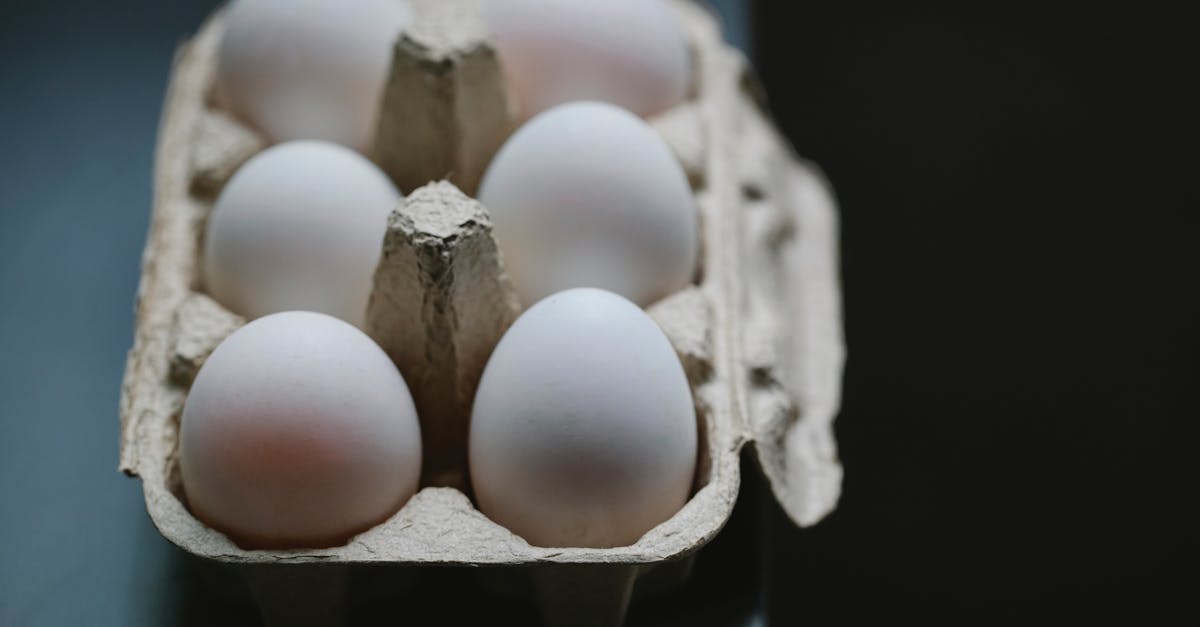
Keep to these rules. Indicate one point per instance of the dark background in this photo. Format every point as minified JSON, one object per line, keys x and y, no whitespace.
{"x":1019,"y":235}
{"x":1018,"y":227}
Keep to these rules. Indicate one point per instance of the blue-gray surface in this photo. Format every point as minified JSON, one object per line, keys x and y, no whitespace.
{"x":81,"y":85}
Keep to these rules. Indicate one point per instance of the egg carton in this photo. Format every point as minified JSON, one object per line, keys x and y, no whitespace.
{"x":759,"y":332}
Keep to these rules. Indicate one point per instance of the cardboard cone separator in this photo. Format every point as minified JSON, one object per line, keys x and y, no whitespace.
{"x":759,"y":333}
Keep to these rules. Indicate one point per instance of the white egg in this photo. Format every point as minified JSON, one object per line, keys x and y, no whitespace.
{"x":299,"y":226}
{"x":628,"y":52}
{"x":588,"y":195}
{"x":310,"y":69}
{"x":583,"y":431}
{"x":298,"y":432}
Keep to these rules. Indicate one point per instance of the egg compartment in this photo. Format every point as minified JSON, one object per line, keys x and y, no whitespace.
{"x":759,"y":335}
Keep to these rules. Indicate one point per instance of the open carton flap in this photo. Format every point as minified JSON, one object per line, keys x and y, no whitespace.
{"x":794,"y":349}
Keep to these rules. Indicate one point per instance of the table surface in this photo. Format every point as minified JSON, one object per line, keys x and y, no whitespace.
{"x":82,"y":87}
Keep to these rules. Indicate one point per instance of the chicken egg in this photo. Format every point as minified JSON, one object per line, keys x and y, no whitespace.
{"x":583,"y":431}
{"x":299,"y":226}
{"x":588,"y":195}
{"x":310,"y":69}
{"x":628,"y":52}
{"x":298,"y":432}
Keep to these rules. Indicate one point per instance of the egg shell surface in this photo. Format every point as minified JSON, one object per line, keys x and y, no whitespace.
{"x":298,"y":432}
{"x":588,"y":195}
{"x":583,"y":432}
{"x":299,"y":226}
{"x":631,"y":53}
{"x":310,"y":69}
